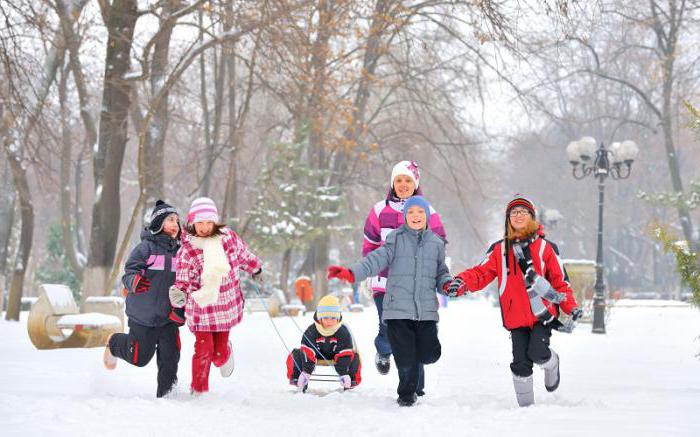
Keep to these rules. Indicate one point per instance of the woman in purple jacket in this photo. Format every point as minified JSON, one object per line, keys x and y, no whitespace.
{"x":385,"y":216}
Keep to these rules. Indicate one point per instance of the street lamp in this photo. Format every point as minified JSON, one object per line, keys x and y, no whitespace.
{"x":587,"y":158}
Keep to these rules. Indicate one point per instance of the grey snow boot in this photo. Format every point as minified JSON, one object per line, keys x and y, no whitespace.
{"x":383,"y":363}
{"x":551,"y":372}
{"x":523,"y":390}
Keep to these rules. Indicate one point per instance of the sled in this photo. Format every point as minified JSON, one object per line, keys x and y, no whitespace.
{"x":56,"y":322}
{"x":325,"y":377}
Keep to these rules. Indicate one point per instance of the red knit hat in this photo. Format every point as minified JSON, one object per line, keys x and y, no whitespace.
{"x":521,"y":201}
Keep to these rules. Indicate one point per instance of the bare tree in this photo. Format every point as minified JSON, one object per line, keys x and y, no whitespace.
{"x":120,"y":19}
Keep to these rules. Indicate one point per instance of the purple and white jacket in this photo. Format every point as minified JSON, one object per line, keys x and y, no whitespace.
{"x":384,"y":217}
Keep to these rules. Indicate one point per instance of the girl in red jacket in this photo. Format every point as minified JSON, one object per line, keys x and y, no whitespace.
{"x":533,"y":287}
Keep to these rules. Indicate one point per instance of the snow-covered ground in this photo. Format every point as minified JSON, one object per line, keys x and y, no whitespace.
{"x":642,"y":378}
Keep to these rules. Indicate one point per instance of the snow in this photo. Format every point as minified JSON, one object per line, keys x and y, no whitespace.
{"x":105,"y":299}
{"x":88,"y":319}
{"x":650,"y":303}
{"x":578,"y":261}
{"x":60,"y":298}
{"x":640,"y":379}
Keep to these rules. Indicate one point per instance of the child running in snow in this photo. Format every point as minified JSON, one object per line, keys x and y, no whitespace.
{"x":533,"y":287}
{"x":415,"y":256}
{"x":207,"y":284}
{"x":153,"y":324}
{"x":326,"y":339}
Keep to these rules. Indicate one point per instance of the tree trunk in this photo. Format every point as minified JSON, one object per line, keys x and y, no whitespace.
{"x":284,"y":274}
{"x":64,"y":181}
{"x":19,"y":178}
{"x":315,"y":114}
{"x":230,"y":194}
{"x":107,"y":161}
{"x":320,"y":246}
{"x":158,"y":128}
{"x":671,"y":155}
{"x":204,"y":101}
{"x":67,"y":18}
{"x":7,"y":213}
{"x":237,"y":118}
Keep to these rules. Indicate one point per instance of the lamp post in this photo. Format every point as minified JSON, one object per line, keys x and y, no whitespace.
{"x":587,"y":158}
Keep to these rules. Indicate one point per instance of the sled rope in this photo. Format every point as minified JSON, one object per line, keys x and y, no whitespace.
{"x":279,"y":334}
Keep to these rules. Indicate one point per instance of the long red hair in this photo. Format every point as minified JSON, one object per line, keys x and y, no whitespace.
{"x":511,"y":234}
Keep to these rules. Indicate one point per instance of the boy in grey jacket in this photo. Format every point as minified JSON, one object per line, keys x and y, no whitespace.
{"x":415,"y":257}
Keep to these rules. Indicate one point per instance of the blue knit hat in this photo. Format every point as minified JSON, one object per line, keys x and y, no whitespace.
{"x":417,"y":201}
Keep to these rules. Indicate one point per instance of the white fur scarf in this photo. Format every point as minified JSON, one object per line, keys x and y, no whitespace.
{"x":215,"y":266}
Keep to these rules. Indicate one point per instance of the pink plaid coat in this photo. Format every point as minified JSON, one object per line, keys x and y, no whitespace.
{"x":228,"y":309}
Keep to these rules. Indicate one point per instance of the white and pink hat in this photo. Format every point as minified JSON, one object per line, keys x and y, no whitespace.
{"x":203,"y":209}
{"x":407,"y":168}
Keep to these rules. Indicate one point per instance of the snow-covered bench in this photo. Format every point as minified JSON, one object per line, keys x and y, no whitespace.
{"x":55,"y":321}
{"x":293,"y":309}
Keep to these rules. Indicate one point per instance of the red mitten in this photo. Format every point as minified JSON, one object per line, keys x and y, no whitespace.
{"x":341,"y":273}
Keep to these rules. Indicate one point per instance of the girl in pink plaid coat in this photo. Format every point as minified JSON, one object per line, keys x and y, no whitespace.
{"x":207,"y":284}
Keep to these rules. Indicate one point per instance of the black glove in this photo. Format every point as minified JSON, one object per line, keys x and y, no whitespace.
{"x":576,"y":313}
{"x":456,"y":287}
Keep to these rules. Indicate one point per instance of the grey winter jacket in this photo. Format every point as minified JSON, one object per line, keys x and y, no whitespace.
{"x":416,"y":262}
{"x":153,"y":258}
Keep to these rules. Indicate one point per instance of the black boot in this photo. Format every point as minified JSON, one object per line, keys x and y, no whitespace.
{"x":407,"y":401}
{"x":165,"y":390}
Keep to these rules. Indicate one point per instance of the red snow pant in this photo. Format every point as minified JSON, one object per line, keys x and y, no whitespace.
{"x":209,"y":347}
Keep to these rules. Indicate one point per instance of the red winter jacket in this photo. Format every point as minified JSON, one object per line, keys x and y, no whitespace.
{"x":515,"y":304}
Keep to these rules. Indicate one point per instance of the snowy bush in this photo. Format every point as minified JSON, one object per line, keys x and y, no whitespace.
{"x":686,"y":260}
{"x":294,"y":203}
{"x":54,"y":268}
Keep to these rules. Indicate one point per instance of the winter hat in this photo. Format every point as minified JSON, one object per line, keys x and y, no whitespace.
{"x":328,"y":307}
{"x":160,"y":212}
{"x":521,"y":201}
{"x":407,"y":168}
{"x":203,"y":209}
{"x":417,"y":201}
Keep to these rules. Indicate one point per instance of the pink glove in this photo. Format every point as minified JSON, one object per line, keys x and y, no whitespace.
{"x":303,"y":380}
{"x":345,"y":381}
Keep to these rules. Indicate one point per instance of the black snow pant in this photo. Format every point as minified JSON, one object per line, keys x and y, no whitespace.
{"x":138,"y":346}
{"x":530,"y":346}
{"x":298,"y":361}
{"x":413,"y":343}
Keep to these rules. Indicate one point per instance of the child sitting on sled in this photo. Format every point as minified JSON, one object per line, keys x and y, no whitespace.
{"x":326,"y":341}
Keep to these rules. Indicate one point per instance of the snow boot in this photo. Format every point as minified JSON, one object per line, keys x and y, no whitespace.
{"x":109,"y":360}
{"x":165,"y":392}
{"x":227,"y":368}
{"x":551,"y":372}
{"x":524,"y":392}
{"x":407,"y":401}
{"x":383,"y":363}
